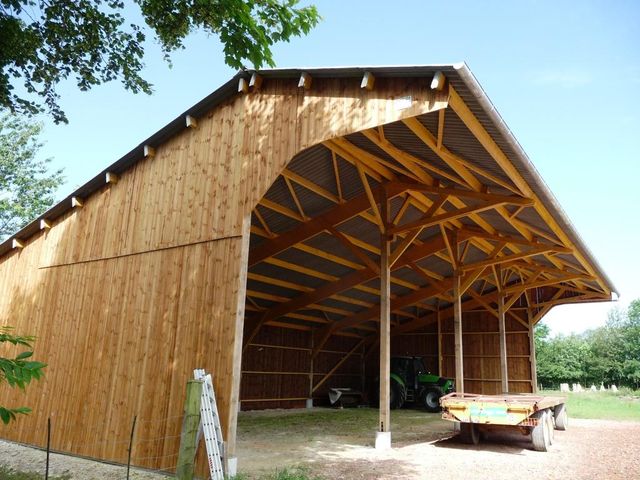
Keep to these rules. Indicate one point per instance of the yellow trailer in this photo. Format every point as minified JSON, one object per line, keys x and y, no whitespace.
{"x":534,"y":415}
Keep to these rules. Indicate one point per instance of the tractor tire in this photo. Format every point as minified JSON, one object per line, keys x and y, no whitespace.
{"x":562,"y":419}
{"x":551,"y":426}
{"x":469,"y":433}
{"x":430,"y":399}
{"x":397,"y":395}
{"x":540,"y":435}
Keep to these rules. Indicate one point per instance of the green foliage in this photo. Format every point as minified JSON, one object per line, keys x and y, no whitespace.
{"x":43,"y":42}
{"x":18,"y":371}
{"x":26,"y":186}
{"x":608,"y":355}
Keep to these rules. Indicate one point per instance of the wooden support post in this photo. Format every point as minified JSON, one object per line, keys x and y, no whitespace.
{"x":457,"y":330}
{"x":532,"y":354}
{"x":190,"y":425}
{"x":310,"y":398}
{"x":236,"y":370}
{"x":440,"y":357}
{"x":504,"y":373}
{"x":383,"y":436}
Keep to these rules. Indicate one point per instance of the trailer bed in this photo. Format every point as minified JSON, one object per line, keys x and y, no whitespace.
{"x":507,"y":409}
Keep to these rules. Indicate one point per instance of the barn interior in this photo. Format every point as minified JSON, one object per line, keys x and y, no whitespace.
{"x":473,"y":260}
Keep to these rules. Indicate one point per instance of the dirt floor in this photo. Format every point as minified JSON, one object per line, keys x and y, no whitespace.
{"x":424,"y":444}
{"x":338,"y":444}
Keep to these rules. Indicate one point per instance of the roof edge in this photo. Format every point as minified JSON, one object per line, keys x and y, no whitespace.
{"x":524,"y":162}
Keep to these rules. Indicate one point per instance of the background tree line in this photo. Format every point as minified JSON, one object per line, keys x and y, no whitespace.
{"x":608,"y":354}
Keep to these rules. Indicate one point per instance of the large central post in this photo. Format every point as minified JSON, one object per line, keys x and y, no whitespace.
{"x":383,"y":435}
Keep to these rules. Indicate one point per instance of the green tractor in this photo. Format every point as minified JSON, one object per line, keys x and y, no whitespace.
{"x":412,"y":383}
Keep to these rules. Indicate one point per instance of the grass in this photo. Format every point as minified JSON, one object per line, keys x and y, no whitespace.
{"x":607,"y":405}
{"x":11,"y":474}
{"x":289,"y":473}
{"x":319,"y":422}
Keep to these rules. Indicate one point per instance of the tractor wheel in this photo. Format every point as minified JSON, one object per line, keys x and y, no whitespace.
{"x":431,"y":399}
{"x":562,"y":419}
{"x":469,"y":433}
{"x":397,"y":395}
{"x":540,"y":433}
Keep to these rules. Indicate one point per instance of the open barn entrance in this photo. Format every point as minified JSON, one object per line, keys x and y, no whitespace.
{"x":413,"y":238}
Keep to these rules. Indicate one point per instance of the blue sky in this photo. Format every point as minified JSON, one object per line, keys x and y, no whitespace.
{"x":565,"y":76}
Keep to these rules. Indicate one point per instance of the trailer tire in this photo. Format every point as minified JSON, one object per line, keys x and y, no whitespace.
{"x":430,"y":399}
{"x":551,"y":425}
{"x":540,"y":433}
{"x":562,"y":419}
{"x":397,"y":395}
{"x":469,"y":433}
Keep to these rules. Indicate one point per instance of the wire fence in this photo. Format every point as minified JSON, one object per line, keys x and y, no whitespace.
{"x":158,"y":453}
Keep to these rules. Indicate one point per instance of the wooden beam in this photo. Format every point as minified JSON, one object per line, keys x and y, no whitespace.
{"x":444,"y":217}
{"x":504,"y":373}
{"x":149,"y":151}
{"x":337,"y":365}
{"x":441,"y":114}
{"x":45,"y":224}
{"x":111,"y":178}
{"x":18,"y":244}
{"x":256,"y":81}
{"x":457,"y":328}
{"x":384,"y":423}
{"x":367,"y":81}
{"x":417,"y":252}
{"x":461,"y":193}
{"x":489,"y":144}
{"x":508,"y":258}
{"x":243,"y":85}
{"x":316,"y":225}
{"x":190,"y":121}
{"x":438,"y":81}
{"x":77,"y":202}
{"x":532,"y":354}
{"x":305,"y":81}
{"x":363,"y":257}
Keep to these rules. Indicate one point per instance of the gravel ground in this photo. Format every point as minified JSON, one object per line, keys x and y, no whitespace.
{"x":589,"y":449}
{"x":26,"y":459}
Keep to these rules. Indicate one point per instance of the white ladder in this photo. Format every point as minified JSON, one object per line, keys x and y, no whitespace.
{"x":210,"y":423}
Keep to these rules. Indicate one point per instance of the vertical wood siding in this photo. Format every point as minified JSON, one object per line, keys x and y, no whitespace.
{"x":145,"y":282}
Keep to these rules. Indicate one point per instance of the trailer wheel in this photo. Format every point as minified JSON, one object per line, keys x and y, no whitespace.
{"x":469,"y":433}
{"x":562,"y":419}
{"x":431,"y":399}
{"x":551,"y":426}
{"x":540,"y":433}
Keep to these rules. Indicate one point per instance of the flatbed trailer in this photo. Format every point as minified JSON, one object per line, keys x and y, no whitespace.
{"x":534,"y":415}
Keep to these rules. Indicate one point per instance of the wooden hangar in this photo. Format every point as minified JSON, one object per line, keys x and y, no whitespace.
{"x":289,"y":233}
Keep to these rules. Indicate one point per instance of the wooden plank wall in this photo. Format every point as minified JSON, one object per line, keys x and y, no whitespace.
{"x":481,"y":352}
{"x":277,"y":364}
{"x":145,"y":282}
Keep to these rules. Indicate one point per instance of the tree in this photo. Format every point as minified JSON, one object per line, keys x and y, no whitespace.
{"x":26,"y":186}
{"x":18,"y":371}
{"x":43,"y":42}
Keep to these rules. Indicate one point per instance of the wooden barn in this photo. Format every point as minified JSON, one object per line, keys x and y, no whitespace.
{"x":289,"y":233}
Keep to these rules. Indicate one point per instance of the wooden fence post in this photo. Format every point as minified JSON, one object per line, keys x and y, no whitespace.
{"x":190,"y":424}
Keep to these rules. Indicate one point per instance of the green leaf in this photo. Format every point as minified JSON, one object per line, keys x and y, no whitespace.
{"x":24,"y":355}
